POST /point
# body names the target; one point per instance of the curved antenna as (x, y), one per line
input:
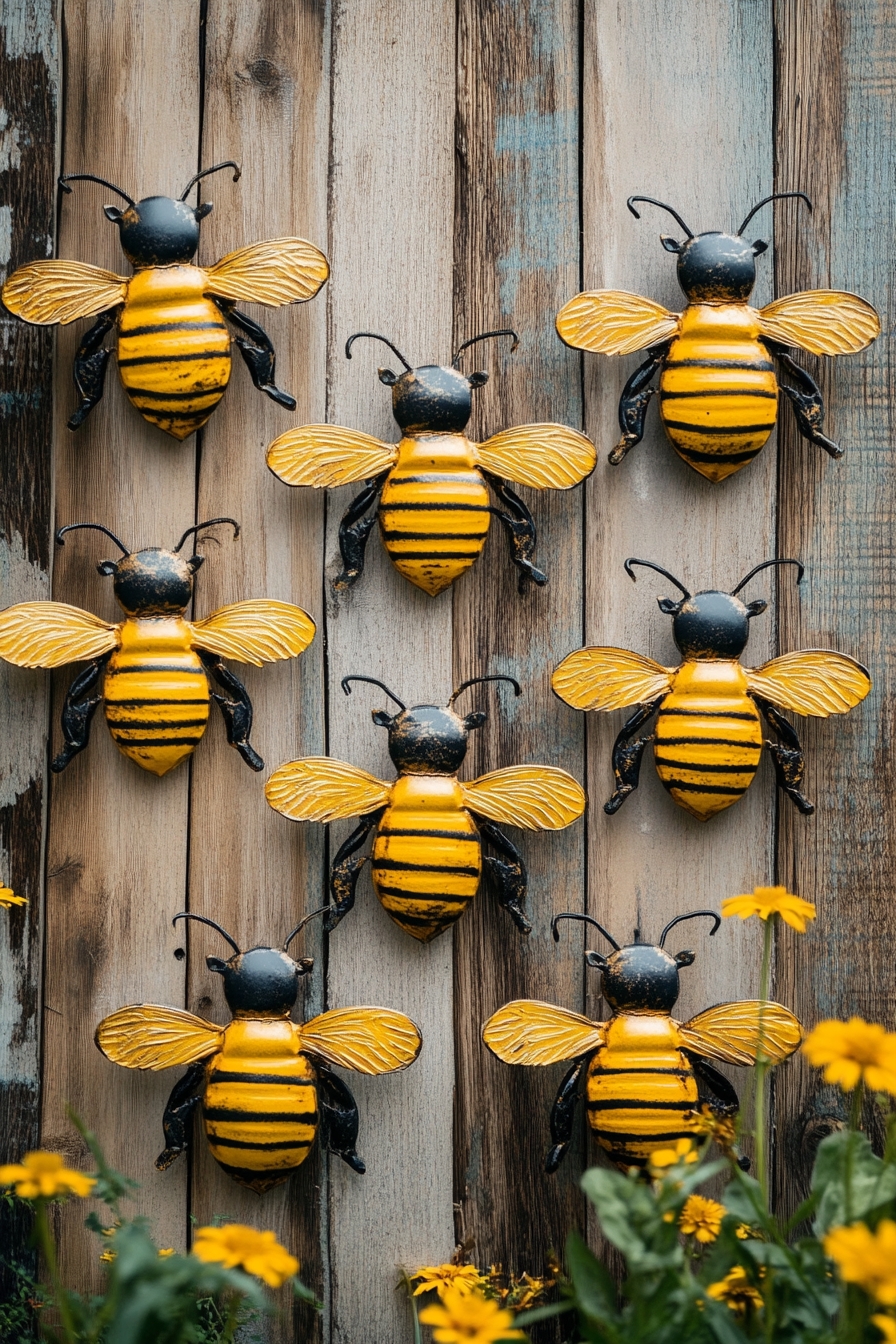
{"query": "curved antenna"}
(373, 682)
(486, 336)
(775, 196)
(188, 914)
(96, 527)
(374, 336)
(694, 914)
(228, 163)
(302, 922)
(474, 681)
(586, 919)
(90, 177)
(662, 205)
(212, 522)
(766, 564)
(648, 564)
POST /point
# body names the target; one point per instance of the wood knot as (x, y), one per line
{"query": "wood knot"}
(816, 1128)
(266, 74)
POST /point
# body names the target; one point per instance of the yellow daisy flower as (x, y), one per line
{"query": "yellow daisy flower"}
(744, 1232)
(236, 1246)
(165, 1251)
(701, 1218)
(684, 1151)
(43, 1175)
(736, 1291)
(721, 1128)
(7, 898)
(866, 1258)
(767, 901)
(439, 1277)
(887, 1326)
(853, 1052)
(469, 1318)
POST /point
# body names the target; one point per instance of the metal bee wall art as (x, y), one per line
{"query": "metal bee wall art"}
(152, 671)
(432, 487)
(708, 733)
(264, 1081)
(429, 827)
(644, 1072)
(718, 387)
(172, 316)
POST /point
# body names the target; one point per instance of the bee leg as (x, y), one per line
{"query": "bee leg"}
(509, 878)
(716, 1092)
(354, 531)
(634, 400)
(236, 708)
(806, 400)
(179, 1110)
(257, 351)
(520, 528)
(787, 756)
(627, 756)
(562, 1115)
(344, 871)
(78, 711)
(89, 369)
(339, 1113)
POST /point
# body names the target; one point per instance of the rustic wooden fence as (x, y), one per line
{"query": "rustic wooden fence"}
(465, 164)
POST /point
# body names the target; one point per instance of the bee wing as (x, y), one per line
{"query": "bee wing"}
(812, 681)
(48, 634)
(278, 271)
(528, 1032)
(547, 457)
(368, 1040)
(607, 679)
(263, 631)
(614, 322)
(319, 455)
(46, 292)
(822, 321)
(146, 1036)
(318, 788)
(735, 1032)
(538, 797)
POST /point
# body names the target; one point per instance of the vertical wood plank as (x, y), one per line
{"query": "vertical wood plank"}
(391, 204)
(517, 260)
(118, 842)
(836, 66)
(267, 106)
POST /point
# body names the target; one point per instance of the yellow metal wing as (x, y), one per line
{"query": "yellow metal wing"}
(528, 1032)
(614, 322)
(318, 788)
(368, 1040)
(146, 1036)
(732, 1032)
(46, 292)
(281, 270)
(813, 681)
(48, 634)
(257, 632)
(822, 321)
(538, 797)
(329, 455)
(547, 457)
(609, 679)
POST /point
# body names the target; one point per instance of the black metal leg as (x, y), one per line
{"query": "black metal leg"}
(257, 351)
(787, 755)
(354, 531)
(178, 1114)
(235, 707)
(339, 1113)
(519, 526)
(628, 754)
(510, 879)
(89, 369)
(634, 400)
(806, 400)
(345, 870)
(78, 711)
(563, 1113)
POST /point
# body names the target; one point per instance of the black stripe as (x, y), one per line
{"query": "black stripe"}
(693, 455)
(156, 667)
(472, 837)
(614, 1155)
(174, 396)
(706, 741)
(171, 326)
(764, 364)
(253, 1176)
(719, 392)
(705, 769)
(407, 895)
(465, 508)
(419, 921)
(631, 1104)
(236, 1116)
(683, 787)
(711, 713)
(399, 866)
(259, 1147)
(434, 555)
(390, 534)
(154, 741)
(174, 700)
(675, 1073)
(167, 724)
(173, 359)
(430, 476)
(644, 1138)
(729, 431)
(228, 1076)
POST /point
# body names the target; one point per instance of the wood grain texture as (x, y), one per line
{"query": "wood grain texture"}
(835, 64)
(391, 203)
(118, 843)
(517, 259)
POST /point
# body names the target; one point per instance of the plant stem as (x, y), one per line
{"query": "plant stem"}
(230, 1324)
(48, 1250)
(855, 1115)
(759, 1120)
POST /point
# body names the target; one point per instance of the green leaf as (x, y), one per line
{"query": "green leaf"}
(846, 1159)
(595, 1291)
(547, 1313)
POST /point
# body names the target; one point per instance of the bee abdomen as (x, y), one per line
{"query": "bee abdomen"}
(425, 870)
(434, 524)
(706, 758)
(635, 1111)
(718, 412)
(155, 695)
(260, 1126)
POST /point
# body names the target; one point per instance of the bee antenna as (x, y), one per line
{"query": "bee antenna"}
(694, 914)
(585, 919)
(212, 522)
(648, 564)
(663, 206)
(345, 684)
(775, 196)
(485, 336)
(90, 177)
(373, 336)
(228, 163)
(96, 527)
(188, 914)
(302, 922)
(766, 564)
(474, 681)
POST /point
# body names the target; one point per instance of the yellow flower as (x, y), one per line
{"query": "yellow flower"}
(701, 1218)
(7, 898)
(165, 1251)
(743, 1232)
(853, 1052)
(237, 1246)
(683, 1151)
(469, 1318)
(866, 1258)
(736, 1291)
(766, 901)
(439, 1277)
(43, 1175)
(721, 1128)
(887, 1326)
(108, 1256)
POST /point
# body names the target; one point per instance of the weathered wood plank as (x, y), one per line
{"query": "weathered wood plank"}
(517, 260)
(836, 66)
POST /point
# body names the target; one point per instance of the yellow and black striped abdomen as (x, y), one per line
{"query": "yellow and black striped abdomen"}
(708, 737)
(718, 390)
(155, 693)
(427, 858)
(434, 510)
(173, 348)
(640, 1089)
(260, 1105)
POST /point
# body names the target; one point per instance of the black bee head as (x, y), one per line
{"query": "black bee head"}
(262, 980)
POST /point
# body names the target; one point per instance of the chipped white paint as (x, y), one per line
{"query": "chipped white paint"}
(29, 30)
(10, 150)
(22, 693)
(5, 236)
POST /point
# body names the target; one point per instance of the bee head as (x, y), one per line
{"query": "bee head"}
(262, 980)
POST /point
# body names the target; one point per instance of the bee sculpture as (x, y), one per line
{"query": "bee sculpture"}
(708, 733)
(429, 827)
(718, 387)
(152, 671)
(172, 316)
(644, 1072)
(264, 1081)
(432, 487)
